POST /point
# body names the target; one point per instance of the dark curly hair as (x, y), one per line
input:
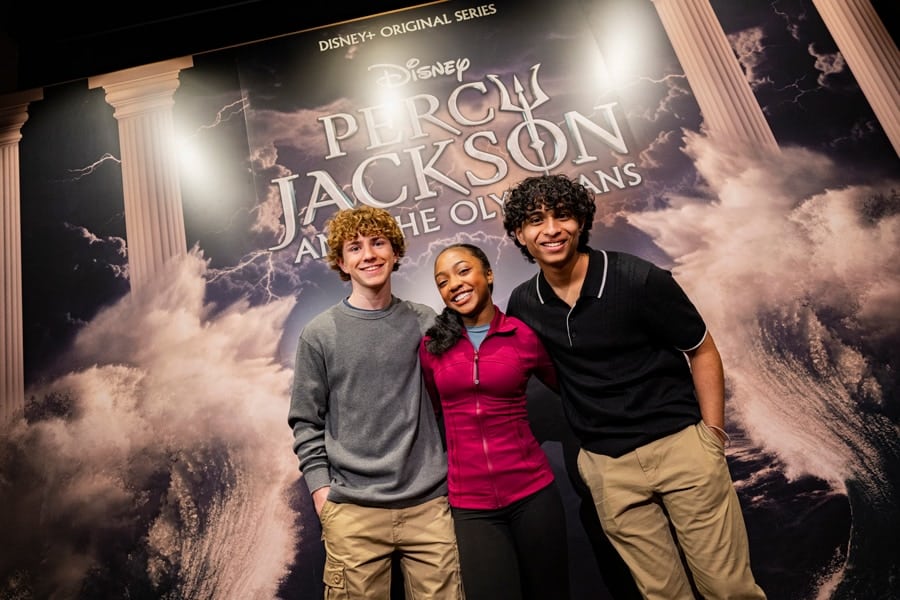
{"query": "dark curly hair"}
(364, 220)
(448, 326)
(553, 192)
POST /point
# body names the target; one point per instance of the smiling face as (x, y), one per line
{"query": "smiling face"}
(464, 282)
(550, 236)
(368, 261)
(534, 198)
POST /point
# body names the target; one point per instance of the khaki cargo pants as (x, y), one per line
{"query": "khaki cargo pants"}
(360, 542)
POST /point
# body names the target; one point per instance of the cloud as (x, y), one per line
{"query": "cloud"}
(794, 274)
(827, 64)
(165, 448)
(748, 45)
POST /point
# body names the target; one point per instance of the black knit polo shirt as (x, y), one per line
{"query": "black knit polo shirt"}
(625, 380)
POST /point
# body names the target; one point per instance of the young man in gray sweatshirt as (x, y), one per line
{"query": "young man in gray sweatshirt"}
(364, 428)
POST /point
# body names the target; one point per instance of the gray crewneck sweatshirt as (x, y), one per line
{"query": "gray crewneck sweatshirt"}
(362, 420)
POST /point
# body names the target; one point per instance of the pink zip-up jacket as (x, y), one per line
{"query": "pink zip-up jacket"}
(493, 457)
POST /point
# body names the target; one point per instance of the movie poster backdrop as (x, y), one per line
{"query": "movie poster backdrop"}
(155, 459)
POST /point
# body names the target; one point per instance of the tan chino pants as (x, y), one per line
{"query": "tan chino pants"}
(686, 476)
(360, 541)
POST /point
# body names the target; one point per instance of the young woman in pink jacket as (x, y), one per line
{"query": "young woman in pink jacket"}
(508, 514)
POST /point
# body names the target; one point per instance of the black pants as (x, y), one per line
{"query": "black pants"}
(519, 552)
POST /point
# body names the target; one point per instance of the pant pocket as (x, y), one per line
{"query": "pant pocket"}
(335, 584)
(709, 443)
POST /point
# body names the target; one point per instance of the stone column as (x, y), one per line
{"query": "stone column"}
(13, 114)
(729, 109)
(872, 55)
(154, 221)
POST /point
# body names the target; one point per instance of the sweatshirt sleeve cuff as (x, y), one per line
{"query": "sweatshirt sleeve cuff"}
(316, 478)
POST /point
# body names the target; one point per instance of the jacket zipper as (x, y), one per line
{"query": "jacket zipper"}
(484, 441)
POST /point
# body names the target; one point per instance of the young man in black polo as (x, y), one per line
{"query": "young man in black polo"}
(642, 386)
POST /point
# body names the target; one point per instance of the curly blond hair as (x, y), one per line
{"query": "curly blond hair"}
(364, 220)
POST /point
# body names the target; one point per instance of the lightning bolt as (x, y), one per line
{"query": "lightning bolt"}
(790, 26)
(85, 171)
(264, 282)
(225, 114)
(666, 79)
(798, 89)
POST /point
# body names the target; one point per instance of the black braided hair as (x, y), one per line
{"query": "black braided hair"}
(448, 326)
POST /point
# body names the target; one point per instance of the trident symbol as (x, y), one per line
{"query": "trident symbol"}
(524, 107)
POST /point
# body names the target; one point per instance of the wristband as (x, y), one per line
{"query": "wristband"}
(723, 432)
